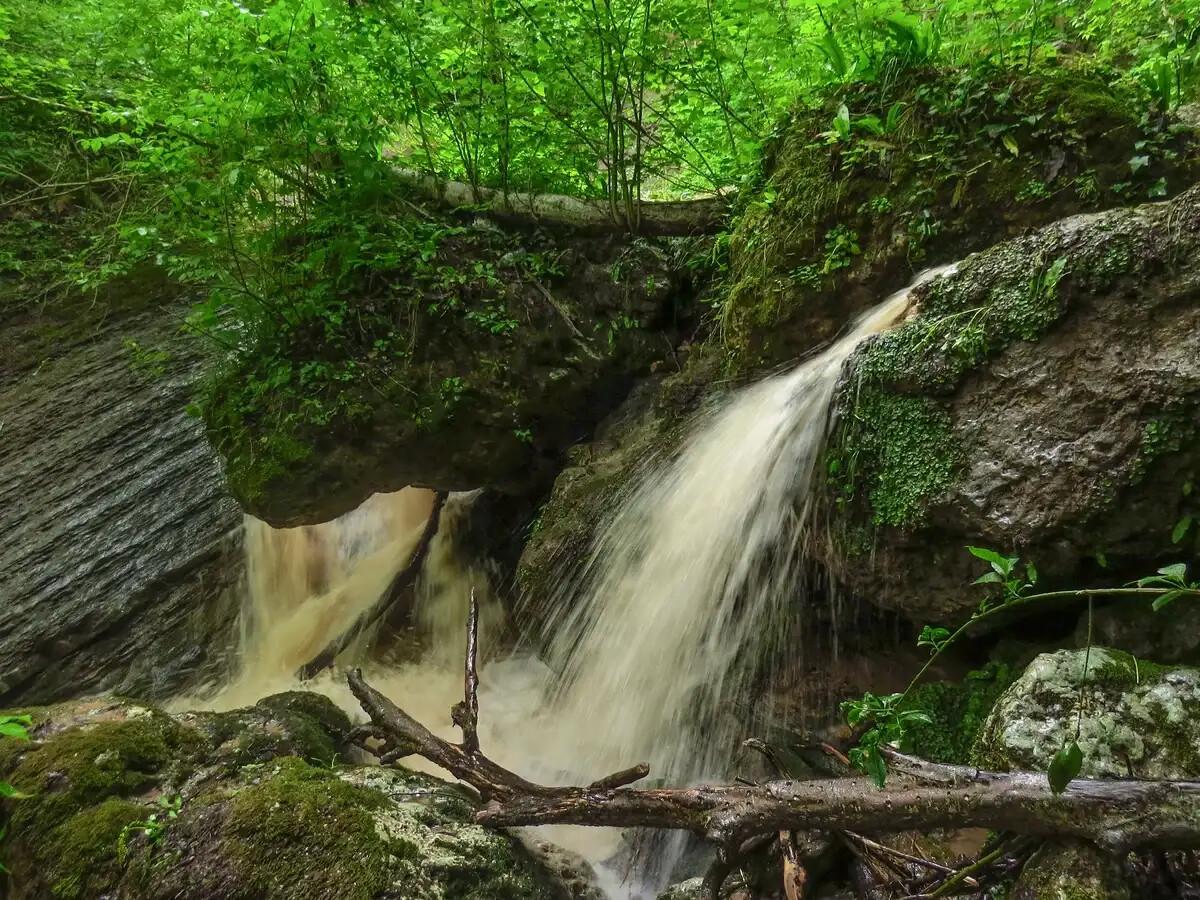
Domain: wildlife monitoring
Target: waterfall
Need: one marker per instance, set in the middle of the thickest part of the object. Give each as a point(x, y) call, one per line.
point(694, 574)
point(693, 577)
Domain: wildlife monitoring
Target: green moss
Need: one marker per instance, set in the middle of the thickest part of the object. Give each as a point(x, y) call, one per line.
point(896, 453)
point(81, 854)
point(294, 723)
point(1166, 434)
point(304, 833)
point(82, 784)
point(958, 711)
point(83, 766)
point(943, 180)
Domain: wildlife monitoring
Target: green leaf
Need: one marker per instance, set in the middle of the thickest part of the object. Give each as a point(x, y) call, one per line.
point(1010, 144)
point(1181, 529)
point(1065, 767)
point(875, 765)
point(1138, 162)
point(1177, 571)
point(988, 578)
point(14, 730)
point(7, 790)
point(1160, 602)
point(1031, 573)
point(989, 556)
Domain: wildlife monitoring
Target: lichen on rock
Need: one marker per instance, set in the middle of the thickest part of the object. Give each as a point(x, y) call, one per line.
point(253, 819)
point(1133, 718)
point(1003, 414)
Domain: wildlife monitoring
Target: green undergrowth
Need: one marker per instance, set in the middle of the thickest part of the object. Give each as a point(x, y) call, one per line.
point(911, 170)
point(957, 711)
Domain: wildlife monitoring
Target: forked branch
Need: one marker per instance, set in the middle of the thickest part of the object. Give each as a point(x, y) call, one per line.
point(1118, 815)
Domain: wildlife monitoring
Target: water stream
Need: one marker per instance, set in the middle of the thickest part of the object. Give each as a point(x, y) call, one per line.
point(692, 583)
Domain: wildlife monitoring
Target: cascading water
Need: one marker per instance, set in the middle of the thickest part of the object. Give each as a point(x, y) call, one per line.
point(690, 582)
point(307, 585)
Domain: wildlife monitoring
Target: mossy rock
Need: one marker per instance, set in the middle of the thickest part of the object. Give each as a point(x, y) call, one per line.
point(644, 431)
point(1133, 717)
point(295, 723)
point(957, 159)
point(474, 361)
point(90, 769)
point(1072, 870)
point(125, 800)
point(290, 830)
point(1003, 414)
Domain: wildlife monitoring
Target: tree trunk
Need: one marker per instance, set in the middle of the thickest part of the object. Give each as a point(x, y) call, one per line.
point(662, 218)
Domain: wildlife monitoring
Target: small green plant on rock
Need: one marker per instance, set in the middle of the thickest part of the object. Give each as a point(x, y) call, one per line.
point(17, 728)
point(153, 826)
point(888, 720)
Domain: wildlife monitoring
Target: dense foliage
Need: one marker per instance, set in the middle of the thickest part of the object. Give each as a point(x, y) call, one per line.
point(248, 151)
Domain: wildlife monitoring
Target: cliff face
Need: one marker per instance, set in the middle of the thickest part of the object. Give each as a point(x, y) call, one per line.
point(121, 546)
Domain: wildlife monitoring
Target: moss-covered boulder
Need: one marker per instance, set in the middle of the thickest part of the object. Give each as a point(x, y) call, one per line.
point(894, 175)
point(471, 359)
point(126, 800)
point(1134, 718)
point(1045, 399)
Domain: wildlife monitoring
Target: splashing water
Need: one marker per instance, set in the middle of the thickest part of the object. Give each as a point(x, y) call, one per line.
point(694, 572)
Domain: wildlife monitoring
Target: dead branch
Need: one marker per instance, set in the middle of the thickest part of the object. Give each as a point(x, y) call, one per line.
point(658, 217)
point(402, 582)
point(1117, 815)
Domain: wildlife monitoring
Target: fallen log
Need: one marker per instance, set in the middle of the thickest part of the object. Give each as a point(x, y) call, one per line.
point(662, 218)
point(1117, 815)
point(404, 579)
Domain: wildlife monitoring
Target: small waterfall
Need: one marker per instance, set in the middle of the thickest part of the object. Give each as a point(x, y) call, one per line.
point(307, 585)
point(696, 572)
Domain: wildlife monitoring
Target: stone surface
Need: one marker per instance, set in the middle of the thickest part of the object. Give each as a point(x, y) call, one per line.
point(1138, 720)
point(121, 543)
point(1071, 871)
point(254, 804)
point(1045, 401)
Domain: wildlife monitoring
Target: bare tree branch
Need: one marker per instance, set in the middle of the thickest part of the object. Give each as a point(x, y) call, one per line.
point(1117, 815)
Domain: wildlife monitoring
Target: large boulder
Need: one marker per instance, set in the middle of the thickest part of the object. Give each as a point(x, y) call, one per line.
point(122, 548)
point(1132, 718)
point(471, 363)
point(125, 800)
point(1045, 399)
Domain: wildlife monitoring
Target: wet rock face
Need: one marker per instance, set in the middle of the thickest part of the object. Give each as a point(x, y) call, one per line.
point(1045, 401)
point(254, 804)
point(121, 545)
point(1138, 719)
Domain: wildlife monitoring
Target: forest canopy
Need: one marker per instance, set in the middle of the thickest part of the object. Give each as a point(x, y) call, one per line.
point(253, 155)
